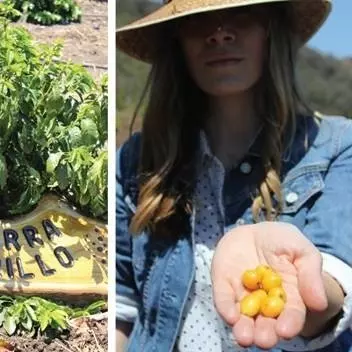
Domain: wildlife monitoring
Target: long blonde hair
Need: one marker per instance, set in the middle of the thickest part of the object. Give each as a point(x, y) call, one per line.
point(167, 167)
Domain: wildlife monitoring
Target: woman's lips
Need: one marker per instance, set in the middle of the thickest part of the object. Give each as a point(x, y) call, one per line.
point(224, 62)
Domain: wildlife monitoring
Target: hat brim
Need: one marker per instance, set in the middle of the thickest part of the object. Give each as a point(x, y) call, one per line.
point(137, 38)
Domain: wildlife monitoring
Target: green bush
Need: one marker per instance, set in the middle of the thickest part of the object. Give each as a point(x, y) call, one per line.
point(46, 12)
point(53, 127)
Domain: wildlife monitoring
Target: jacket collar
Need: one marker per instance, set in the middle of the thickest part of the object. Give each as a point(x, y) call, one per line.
point(305, 133)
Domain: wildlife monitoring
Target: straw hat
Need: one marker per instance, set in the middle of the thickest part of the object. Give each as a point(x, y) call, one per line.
point(137, 38)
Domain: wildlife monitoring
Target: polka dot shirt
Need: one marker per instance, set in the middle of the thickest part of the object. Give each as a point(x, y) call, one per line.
point(201, 328)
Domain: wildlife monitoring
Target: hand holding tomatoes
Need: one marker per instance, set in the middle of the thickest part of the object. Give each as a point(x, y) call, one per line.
point(287, 281)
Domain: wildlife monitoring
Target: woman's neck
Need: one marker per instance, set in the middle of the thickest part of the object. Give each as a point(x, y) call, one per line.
point(232, 127)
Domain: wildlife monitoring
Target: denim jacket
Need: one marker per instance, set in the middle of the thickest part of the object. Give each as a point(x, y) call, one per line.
point(154, 277)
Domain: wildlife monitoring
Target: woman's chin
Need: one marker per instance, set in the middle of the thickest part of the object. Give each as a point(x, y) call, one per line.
point(226, 85)
point(227, 90)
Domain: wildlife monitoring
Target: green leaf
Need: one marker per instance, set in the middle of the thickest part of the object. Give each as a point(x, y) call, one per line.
point(3, 172)
point(26, 140)
point(84, 199)
point(80, 313)
point(97, 173)
point(96, 306)
point(31, 312)
point(34, 175)
point(10, 324)
point(27, 323)
point(5, 300)
point(44, 320)
point(53, 161)
point(89, 132)
point(60, 317)
point(16, 310)
point(63, 176)
point(2, 316)
point(75, 136)
point(91, 309)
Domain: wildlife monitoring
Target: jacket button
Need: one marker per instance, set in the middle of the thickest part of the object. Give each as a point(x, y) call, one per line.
point(240, 222)
point(245, 168)
point(291, 198)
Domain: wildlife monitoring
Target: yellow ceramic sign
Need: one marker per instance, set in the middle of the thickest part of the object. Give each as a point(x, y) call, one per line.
point(53, 250)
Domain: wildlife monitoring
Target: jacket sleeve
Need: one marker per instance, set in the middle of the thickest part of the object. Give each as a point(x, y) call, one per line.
point(329, 227)
point(329, 221)
point(127, 298)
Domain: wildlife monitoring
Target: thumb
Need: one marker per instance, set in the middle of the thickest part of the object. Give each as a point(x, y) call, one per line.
point(225, 301)
point(310, 281)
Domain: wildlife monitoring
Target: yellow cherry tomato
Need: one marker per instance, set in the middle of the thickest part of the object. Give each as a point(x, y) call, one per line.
point(271, 280)
point(261, 294)
point(272, 307)
point(278, 292)
point(262, 269)
point(251, 280)
point(250, 305)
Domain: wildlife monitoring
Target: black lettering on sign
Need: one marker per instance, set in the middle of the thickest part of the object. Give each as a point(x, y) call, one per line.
point(11, 236)
point(43, 268)
point(23, 275)
point(58, 251)
point(50, 229)
point(30, 234)
point(9, 268)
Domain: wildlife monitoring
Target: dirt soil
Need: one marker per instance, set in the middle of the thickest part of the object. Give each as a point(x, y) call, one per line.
point(84, 43)
point(88, 335)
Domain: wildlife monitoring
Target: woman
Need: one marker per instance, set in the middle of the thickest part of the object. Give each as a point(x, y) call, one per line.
point(231, 170)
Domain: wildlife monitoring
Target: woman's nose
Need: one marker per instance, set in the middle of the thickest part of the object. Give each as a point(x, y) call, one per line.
point(221, 36)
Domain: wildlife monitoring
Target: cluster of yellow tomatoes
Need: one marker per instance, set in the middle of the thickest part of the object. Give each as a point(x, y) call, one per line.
point(267, 296)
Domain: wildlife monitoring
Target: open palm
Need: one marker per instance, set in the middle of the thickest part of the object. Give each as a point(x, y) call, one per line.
point(284, 248)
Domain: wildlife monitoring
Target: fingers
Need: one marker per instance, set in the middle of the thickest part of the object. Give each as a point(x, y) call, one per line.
point(224, 301)
point(260, 332)
point(290, 323)
point(243, 331)
point(291, 320)
point(265, 335)
point(310, 281)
